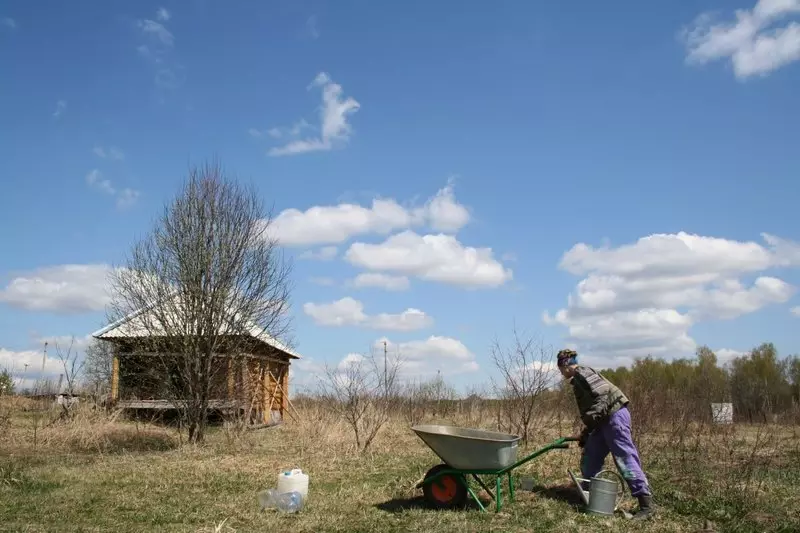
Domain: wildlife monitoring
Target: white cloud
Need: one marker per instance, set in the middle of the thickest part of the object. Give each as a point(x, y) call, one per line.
point(30, 365)
point(350, 360)
point(326, 253)
point(61, 106)
point(426, 357)
point(350, 312)
point(440, 258)
point(95, 179)
point(158, 48)
point(380, 281)
point(643, 298)
point(8, 22)
point(311, 27)
point(111, 153)
point(334, 224)
point(63, 342)
point(334, 125)
point(752, 42)
point(64, 289)
point(726, 355)
point(125, 197)
point(157, 31)
point(795, 310)
point(443, 213)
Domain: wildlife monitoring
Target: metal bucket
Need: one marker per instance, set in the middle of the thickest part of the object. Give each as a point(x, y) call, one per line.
point(602, 497)
point(470, 449)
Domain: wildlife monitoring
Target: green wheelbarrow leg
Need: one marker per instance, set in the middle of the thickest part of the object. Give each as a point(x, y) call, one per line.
point(498, 489)
point(472, 492)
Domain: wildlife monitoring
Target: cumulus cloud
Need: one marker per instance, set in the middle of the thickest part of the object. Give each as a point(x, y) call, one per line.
point(335, 128)
point(381, 281)
point(66, 289)
point(441, 258)
point(643, 298)
point(755, 42)
point(350, 312)
point(334, 224)
point(795, 310)
point(425, 357)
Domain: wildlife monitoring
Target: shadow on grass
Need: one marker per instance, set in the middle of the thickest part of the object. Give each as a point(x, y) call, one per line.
point(565, 493)
point(401, 505)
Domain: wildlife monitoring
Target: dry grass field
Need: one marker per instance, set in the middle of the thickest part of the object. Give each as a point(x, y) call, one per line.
point(99, 472)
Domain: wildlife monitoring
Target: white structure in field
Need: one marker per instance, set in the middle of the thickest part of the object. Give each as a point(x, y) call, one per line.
point(722, 413)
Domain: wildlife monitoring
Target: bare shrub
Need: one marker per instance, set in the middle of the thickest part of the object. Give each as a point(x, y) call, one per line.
point(361, 390)
point(98, 360)
point(527, 372)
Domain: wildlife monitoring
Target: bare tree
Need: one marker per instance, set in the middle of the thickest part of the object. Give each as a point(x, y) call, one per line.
point(98, 362)
point(73, 366)
point(211, 275)
point(527, 372)
point(362, 391)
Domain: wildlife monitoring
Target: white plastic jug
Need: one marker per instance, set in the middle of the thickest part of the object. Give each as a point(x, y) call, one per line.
point(293, 480)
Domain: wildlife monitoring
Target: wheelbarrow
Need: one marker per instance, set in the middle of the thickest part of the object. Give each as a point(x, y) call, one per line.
point(470, 453)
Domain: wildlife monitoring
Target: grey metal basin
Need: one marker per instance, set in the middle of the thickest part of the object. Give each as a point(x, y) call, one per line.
point(470, 449)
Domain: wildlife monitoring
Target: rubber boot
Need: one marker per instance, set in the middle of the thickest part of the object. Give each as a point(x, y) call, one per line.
point(645, 507)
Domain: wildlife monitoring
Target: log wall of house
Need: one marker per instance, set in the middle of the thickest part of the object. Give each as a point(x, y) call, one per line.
point(257, 382)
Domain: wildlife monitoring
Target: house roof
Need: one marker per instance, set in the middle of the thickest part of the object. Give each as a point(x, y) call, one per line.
point(134, 326)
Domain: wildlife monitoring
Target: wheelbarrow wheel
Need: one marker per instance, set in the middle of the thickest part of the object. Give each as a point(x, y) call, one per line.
point(444, 492)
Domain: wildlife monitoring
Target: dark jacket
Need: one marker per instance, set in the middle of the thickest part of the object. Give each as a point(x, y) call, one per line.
point(597, 397)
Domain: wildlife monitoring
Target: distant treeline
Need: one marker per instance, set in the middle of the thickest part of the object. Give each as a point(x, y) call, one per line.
point(761, 385)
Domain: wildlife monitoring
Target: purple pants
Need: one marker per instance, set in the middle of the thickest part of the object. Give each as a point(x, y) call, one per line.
point(615, 436)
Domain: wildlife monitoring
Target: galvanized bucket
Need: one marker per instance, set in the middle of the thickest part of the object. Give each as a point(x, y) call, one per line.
point(603, 496)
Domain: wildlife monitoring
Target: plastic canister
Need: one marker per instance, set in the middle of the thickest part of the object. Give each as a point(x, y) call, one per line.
point(293, 480)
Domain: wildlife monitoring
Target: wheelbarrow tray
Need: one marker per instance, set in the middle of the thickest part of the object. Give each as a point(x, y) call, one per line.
point(470, 449)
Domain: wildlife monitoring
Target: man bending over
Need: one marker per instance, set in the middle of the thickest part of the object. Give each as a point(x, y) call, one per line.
point(604, 411)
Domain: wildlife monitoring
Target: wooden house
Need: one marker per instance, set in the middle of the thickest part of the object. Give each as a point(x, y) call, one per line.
point(252, 383)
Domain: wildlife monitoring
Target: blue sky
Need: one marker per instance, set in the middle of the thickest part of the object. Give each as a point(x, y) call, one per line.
point(642, 161)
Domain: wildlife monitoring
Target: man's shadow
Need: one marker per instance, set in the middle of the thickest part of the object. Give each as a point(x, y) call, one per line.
point(565, 493)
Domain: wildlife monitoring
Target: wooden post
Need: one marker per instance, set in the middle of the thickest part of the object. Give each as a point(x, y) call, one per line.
point(231, 382)
point(266, 415)
point(284, 390)
point(115, 378)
